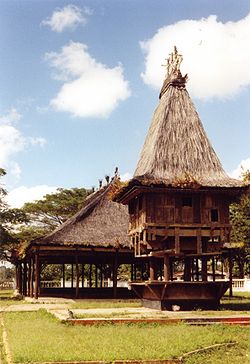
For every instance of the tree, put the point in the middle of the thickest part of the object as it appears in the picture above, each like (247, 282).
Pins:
(43, 216)
(7, 217)
(240, 220)
(55, 208)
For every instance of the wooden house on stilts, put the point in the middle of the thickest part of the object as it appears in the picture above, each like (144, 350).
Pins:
(88, 248)
(179, 202)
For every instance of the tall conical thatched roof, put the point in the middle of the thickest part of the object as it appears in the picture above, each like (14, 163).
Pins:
(100, 223)
(176, 147)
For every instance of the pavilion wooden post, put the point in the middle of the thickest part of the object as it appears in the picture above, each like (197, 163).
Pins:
(82, 275)
(77, 276)
(101, 275)
(72, 275)
(96, 276)
(63, 275)
(90, 275)
(37, 275)
(166, 268)
(230, 267)
(29, 276)
(20, 278)
(17, 280)
(24, 278)
(115, 268)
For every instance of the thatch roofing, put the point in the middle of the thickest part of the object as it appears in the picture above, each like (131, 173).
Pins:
(176, 147)
(100, 223)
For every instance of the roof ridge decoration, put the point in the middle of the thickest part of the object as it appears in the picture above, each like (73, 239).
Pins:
(173, 76)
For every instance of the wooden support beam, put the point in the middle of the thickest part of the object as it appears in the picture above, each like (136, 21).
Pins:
(166, 268)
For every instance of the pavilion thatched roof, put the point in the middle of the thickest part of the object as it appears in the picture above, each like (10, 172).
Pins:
(177, 148)
(100, 223)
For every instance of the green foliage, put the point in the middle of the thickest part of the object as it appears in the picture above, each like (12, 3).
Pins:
(40, 217)
(55, 208)
(240, 220)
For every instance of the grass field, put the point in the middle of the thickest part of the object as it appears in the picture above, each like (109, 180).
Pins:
(40, 337)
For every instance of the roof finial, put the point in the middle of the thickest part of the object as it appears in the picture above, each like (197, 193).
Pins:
(173, 62)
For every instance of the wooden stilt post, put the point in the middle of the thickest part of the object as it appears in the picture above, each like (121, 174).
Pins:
(166, 268)
(187, 269)
(204, 269)
(152, 269)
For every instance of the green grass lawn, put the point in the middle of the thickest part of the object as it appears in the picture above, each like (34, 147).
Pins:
(38, 336)
(105, 303)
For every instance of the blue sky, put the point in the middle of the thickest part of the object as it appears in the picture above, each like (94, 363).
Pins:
(80, 80)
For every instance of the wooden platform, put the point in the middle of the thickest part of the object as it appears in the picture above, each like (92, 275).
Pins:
(181, 295)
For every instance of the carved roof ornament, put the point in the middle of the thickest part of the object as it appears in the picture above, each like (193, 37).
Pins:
(173, 76)
(173, 62)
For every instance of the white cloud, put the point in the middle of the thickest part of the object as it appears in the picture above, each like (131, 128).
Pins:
(216, 55)
(12, 142)
(126, 176)
(91, 89)
(18, 196)
(243, 167)
(37, 141)
(12, 116)
(68, 17)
